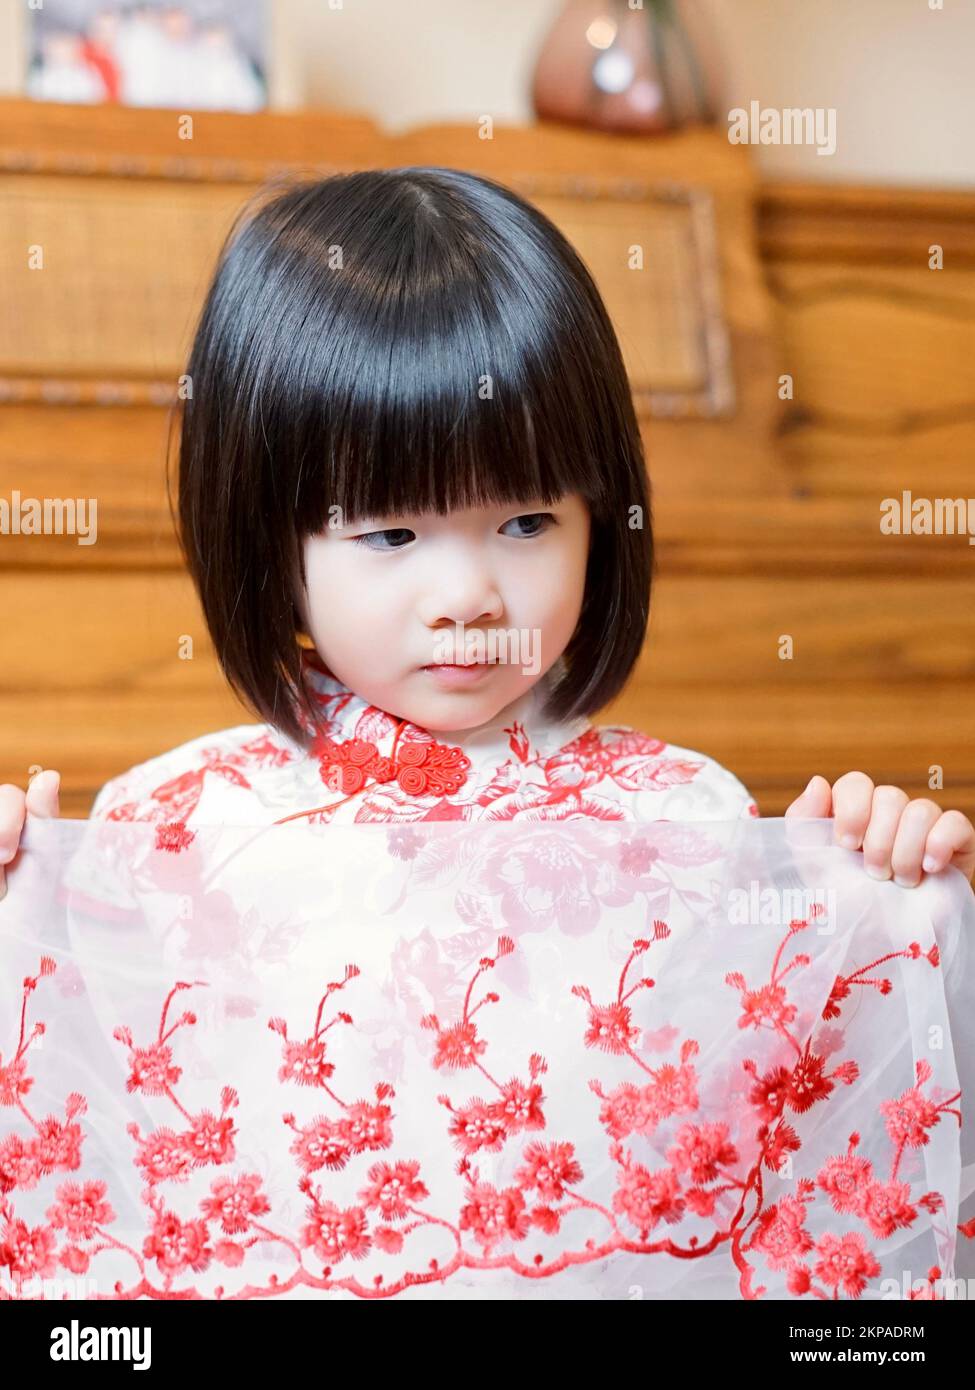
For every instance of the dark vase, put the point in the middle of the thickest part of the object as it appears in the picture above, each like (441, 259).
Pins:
(639, 70)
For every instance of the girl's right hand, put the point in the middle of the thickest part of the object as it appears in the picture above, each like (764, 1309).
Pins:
(40, 799)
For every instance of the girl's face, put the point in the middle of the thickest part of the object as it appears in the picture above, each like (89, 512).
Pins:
(391, 599)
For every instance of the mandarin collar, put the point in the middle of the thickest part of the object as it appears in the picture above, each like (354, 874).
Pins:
(519, 729)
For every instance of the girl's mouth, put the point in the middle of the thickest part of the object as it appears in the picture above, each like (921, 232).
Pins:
(450, 675)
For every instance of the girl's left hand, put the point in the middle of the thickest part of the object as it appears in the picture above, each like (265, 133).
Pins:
(900, 838)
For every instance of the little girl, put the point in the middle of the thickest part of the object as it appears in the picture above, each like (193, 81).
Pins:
(414, 504)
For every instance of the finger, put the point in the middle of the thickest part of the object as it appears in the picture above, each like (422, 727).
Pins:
(12, 812)
(852, 808)
(814, 802)
(43, 794)
(951, 840)
(917, 820)
(878, 842)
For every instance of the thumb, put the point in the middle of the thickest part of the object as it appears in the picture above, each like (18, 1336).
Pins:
(43, 794)
(815, 802)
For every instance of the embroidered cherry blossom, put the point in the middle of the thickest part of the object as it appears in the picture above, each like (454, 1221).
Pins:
(845, 1262)
(81, 1208)
(236, 1202)
(174, 837)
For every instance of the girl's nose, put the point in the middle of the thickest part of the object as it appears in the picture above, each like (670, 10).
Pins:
(469, 603)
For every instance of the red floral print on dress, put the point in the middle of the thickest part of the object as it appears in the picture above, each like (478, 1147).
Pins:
(179, 796)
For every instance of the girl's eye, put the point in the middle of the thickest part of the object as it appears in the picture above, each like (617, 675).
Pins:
(544, 520)
(378, 535)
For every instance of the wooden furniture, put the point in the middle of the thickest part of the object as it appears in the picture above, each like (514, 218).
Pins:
(766, 511)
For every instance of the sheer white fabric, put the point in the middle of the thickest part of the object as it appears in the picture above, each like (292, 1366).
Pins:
(561, 1060)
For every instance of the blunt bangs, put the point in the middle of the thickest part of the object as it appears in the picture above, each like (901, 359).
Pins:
(390, 343)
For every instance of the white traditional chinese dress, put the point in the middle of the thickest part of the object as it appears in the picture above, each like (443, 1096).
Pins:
(372, 766)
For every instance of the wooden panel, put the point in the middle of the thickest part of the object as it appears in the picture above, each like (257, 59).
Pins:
(70, 243)
(129, 142)
(124, 269)
(115, 456)
(92, 681)
(851, 225)
(879, 349)
(81, 618)
(666, 310)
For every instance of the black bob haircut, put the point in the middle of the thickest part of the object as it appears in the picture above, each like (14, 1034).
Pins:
(339, 360)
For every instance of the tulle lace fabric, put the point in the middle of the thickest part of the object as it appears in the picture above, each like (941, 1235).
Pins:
(560, 1060)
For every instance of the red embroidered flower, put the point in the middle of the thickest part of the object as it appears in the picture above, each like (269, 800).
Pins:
(18, 1165)
(770, 1004)
(477, 1126)
(234, 1203)
(783, 1142)
(367, 1126)
(611, 1029)
(673, 1090)
(174, 836)
(645, 1197)
(770, 1093)
(909, 1118)
(549, 1167)
(28, 1252)
(14, 1082)
(808, 1083)
(519, 1107)
(176, 1244)
(700, 1149)
(153, 1071)
(333, 1233)
(492, 1215)
(782, 1236)
(458, 1046)
(625, 1111)
(887, 1205)
(57, 1145)
(392, 1189)
(211, 1139)
(321, 1145)
(162, 1155)
(305, 1064)
(80, 1208)
(846, 1262)
(844, 1179)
